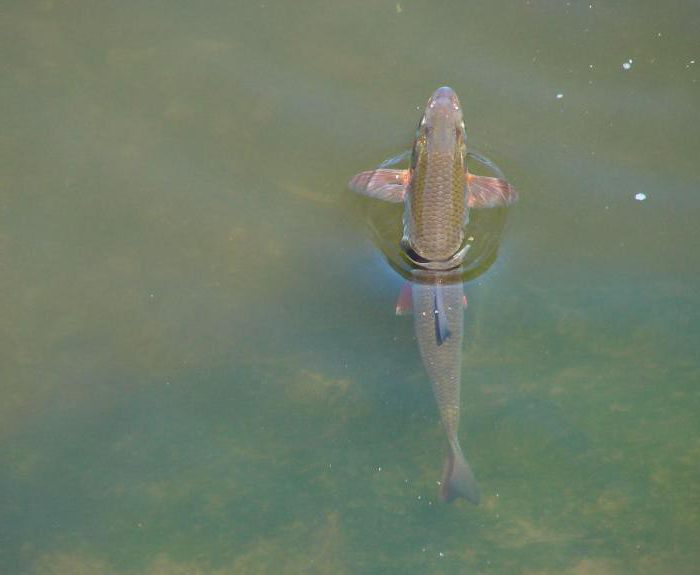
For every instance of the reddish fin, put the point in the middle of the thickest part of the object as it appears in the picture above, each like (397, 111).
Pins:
(464, 300)
(404, 304)
(458, 479)
(486, 192)
(387, 185)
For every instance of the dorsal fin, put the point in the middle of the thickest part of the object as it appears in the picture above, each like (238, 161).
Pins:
(442, 329)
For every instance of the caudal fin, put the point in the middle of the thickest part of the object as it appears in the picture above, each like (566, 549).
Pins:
(458, 479)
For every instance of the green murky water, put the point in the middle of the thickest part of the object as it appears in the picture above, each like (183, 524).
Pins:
(200, 367)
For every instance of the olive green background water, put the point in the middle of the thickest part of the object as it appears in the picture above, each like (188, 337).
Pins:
(200, 367)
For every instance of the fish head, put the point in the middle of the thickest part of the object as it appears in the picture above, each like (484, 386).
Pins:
(441, 128)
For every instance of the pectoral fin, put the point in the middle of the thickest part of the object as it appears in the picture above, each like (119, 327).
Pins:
(486, 192)
(387, 185)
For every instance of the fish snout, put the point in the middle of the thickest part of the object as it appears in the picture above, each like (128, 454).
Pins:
(443, 100)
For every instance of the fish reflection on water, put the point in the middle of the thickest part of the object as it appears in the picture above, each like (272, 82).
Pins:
(438, 191)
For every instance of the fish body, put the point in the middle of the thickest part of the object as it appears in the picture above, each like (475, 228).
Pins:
(438, 191)
(436, 210)
(438, 316)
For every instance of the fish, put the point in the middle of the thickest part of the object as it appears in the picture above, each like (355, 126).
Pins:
(438, 191)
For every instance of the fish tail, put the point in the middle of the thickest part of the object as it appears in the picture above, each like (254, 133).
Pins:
(458, 479)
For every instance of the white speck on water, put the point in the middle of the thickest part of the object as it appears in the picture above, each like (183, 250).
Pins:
(560, 96)
(640, 197)
(379, 468)
(441, 554)
(627, 65)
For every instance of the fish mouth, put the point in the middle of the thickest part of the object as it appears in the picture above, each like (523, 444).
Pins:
(444, 99)
(442, 122)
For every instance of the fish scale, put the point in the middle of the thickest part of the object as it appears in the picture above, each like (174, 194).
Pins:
(442, 362)
(437, 204)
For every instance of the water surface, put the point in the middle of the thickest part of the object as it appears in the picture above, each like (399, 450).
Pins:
(200, 366)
